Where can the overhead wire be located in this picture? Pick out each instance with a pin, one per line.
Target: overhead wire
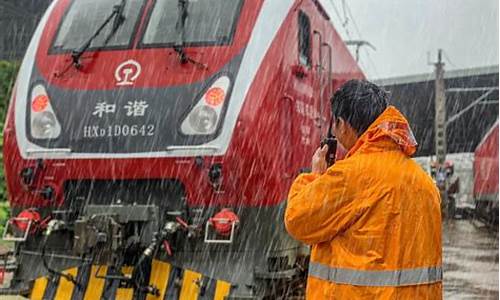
(335, 9)
(349, 12)
(345, 22)
(358, 32)
(341, 19)
(448, 59)
(346, 18)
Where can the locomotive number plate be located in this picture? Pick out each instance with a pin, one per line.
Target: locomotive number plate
(95, 131)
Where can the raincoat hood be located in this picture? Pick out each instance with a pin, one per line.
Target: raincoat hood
(388, 132)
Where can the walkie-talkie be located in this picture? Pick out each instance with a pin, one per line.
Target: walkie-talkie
(331, 141)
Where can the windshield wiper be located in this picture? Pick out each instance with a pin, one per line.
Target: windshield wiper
(180, 25)
(119, 18)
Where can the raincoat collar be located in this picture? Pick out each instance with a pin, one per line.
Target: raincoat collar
(389, 131)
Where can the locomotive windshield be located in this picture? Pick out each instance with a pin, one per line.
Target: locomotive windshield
(85, 17)
(207, 22)
(136, 117)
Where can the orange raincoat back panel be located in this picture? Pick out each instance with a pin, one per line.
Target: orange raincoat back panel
(373, 220)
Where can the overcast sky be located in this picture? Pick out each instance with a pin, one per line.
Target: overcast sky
(403, 31)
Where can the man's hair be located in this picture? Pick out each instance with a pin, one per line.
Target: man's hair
(359, 102)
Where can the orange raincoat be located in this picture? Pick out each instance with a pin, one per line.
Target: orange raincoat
(373, 220)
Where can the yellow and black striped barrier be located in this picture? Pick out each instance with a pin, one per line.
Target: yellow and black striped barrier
(172, 283)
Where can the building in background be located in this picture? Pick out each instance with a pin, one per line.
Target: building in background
(414, 96)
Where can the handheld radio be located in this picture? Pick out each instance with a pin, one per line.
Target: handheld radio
(331, 141)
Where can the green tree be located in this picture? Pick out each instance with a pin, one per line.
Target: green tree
(8, 72)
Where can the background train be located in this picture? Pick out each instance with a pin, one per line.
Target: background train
(486, 178)
(149, 146)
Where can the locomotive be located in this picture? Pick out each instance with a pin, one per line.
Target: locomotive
(486, 178)
(149, 146)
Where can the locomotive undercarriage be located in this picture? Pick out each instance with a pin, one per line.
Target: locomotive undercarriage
(132, 224)
(487, 211)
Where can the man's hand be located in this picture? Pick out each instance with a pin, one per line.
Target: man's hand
(318, 164)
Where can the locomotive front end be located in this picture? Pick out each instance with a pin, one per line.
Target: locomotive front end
(119, 136)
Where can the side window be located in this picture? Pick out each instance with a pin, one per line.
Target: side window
(304, 39)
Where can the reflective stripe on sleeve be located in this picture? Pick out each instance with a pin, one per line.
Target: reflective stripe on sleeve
(402, 277)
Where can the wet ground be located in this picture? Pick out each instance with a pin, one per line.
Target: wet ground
(470, 258)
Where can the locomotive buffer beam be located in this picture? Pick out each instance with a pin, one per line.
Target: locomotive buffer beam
(103, 224)
(125, 213)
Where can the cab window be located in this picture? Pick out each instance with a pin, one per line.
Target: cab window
(304, 39)
(195, 23)
(83, 19)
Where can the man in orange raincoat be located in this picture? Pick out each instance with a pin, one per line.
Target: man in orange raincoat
(373, 219)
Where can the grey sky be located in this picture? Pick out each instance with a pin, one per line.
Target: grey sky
(403, 31)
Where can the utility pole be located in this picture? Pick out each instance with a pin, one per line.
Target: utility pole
(441, 174)
(440, 111)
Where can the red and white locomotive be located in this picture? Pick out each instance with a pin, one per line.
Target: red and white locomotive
(486, 178)
(150, 144)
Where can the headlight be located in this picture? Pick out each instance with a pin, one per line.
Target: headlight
(205, 115)
(44, 123)
(203, 119)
